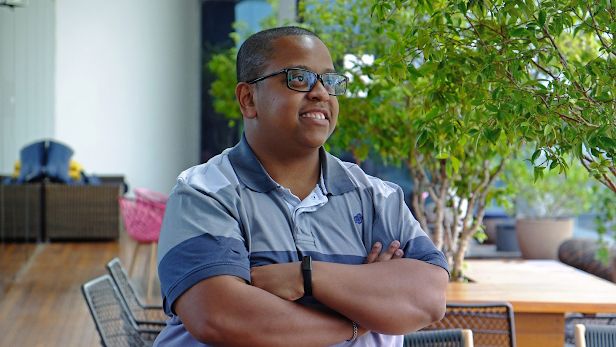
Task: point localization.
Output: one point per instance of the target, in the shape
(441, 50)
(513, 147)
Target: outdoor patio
(43, 305)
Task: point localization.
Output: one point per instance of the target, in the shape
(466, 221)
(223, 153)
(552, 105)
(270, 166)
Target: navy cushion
(58, 157)
(32, 163)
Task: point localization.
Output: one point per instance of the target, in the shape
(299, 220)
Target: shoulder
(210, 177)
(365, 182)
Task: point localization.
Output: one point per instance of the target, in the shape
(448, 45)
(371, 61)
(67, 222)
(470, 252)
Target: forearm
(393, 297)
(244, 315)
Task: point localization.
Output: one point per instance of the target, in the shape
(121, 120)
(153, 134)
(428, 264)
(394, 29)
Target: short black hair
(256, 51)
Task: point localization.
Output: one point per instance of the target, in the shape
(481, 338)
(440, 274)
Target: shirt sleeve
(200, 238)
(394, 221)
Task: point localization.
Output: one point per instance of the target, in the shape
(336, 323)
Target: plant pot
(540, 238)
(506, 239)
(491, 227)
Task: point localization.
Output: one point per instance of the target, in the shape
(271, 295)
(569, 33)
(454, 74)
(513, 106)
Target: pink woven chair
(143, 217)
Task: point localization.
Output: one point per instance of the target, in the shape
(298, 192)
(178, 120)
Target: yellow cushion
(17, 166)
(74, 170)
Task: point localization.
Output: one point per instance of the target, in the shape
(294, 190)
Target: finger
(389, 253)
(374, 253)
(398, 254)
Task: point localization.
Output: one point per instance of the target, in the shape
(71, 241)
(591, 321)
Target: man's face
(291, 120)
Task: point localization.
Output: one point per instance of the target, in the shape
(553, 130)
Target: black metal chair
(595, 335)
(604, 319)
(111, 316)
(439, 338)
(492, 324)
(150, 316)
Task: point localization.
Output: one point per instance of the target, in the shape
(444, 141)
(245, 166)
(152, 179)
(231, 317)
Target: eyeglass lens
(304, 80)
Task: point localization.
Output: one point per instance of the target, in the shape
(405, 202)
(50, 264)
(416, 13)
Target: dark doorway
(217, 18)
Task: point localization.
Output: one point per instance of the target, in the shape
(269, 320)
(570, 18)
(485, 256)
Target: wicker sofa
(21, 212)
(55, 211)
(580, 253)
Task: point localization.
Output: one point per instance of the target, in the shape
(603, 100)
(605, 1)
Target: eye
(297, 77)
(329, 80)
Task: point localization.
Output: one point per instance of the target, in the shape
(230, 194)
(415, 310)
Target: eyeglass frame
(319, 78)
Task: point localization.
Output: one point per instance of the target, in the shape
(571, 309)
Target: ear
(244, 93)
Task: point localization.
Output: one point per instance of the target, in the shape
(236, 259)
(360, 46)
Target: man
(241, 230)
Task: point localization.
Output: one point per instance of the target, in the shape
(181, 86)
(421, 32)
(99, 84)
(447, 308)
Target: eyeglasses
(302, 80)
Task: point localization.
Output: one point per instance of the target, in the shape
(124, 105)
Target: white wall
(127, 87)
(26, 77)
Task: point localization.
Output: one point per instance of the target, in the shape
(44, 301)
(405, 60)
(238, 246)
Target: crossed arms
(387, 294)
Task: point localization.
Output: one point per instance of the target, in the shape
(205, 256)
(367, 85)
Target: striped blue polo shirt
(228, 215)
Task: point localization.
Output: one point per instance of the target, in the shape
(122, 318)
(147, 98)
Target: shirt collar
(253, 175)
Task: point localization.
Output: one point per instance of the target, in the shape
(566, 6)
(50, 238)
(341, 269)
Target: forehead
(301, 51)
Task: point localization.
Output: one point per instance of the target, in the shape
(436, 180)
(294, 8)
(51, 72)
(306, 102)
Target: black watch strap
(307, 273)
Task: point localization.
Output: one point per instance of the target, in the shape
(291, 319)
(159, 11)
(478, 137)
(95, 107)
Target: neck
(300, 174)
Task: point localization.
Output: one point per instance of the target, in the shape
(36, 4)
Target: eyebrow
(306, 68)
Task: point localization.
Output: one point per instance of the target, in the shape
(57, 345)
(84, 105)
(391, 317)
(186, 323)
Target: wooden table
(540, 291)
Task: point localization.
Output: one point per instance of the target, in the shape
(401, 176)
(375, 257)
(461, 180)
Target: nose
(319, 92)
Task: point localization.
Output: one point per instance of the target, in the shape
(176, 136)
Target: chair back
(439, 338)
(113, 322)
(143, 216)
(592, 319)
(492, 323)
(132, 299)
(595, 335)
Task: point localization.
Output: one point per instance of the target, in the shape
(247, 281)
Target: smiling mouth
(315, 115)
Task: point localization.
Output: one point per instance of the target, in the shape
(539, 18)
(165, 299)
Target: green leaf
(538, 172)
(536, 82)
(492, 135)
(542, 18)
(492, 107)
(393, 35)
(607, 142)
(535, 155)
(578, 149)
(442, 156)
(422, 138)
(603, 254)
(455, 163)
(432, 114)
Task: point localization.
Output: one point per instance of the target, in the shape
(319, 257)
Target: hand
(283, 280)
(392, 252)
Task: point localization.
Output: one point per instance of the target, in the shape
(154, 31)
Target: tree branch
(563, 61)
(597, 31)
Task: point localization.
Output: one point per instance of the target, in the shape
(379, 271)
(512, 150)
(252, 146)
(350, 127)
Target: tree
(543, 72)
(454, 153)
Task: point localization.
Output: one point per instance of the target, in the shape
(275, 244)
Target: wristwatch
(307, 273)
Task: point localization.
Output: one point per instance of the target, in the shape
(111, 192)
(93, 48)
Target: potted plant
(545, 205)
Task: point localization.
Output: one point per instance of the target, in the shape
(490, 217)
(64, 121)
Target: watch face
(307, 263)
